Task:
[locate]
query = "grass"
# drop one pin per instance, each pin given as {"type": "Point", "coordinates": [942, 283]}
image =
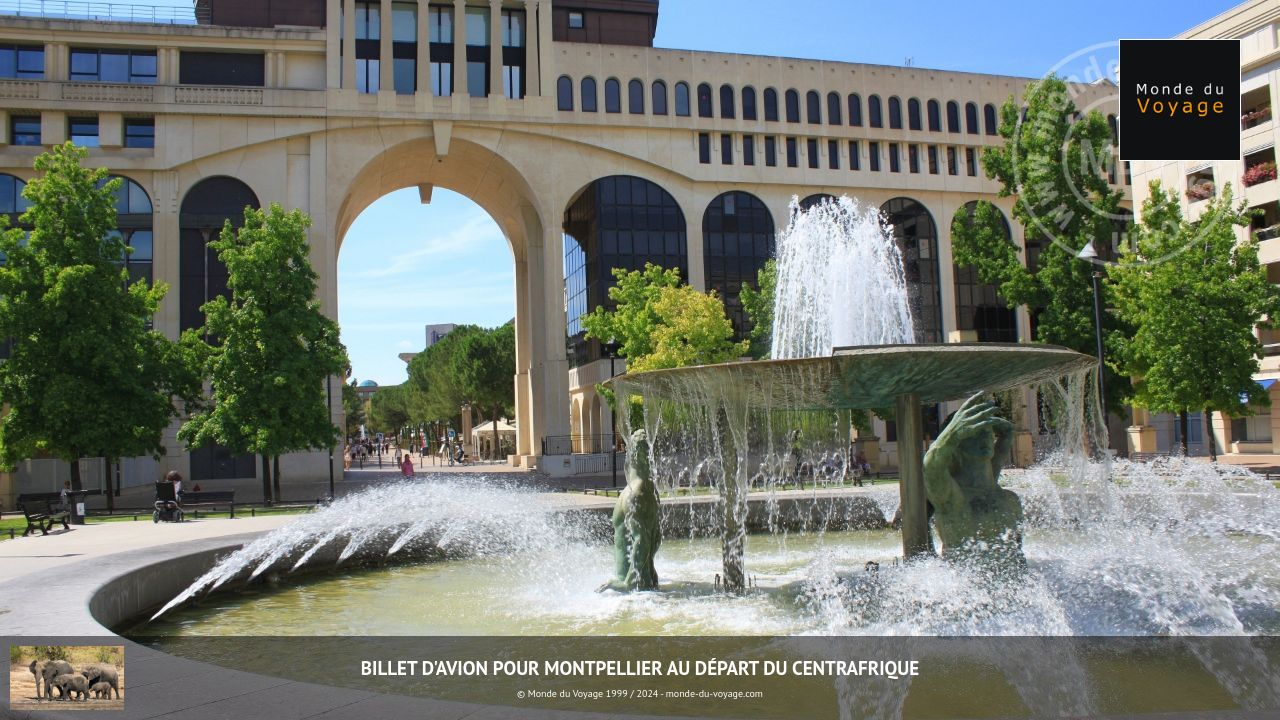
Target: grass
{"type": "Point", "coordinates": [18, 523]}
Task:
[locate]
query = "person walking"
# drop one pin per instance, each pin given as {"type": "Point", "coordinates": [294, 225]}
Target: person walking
{"type": "Point", "coordinates": [406, 466]}
{"type": "Point", "coordinates": [346, 458]}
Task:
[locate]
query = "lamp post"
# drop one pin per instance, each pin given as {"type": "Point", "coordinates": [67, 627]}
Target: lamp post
{"type": "Point", "coordinates": [611, 348]}
{"type": "Point", "coordinates": [328, 396]}
{"type": "Point", "coordinates": [1088, 254]}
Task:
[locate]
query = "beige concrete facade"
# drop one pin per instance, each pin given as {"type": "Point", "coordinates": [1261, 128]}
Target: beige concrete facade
{"type": "Point", "coordinates": [308, 139]}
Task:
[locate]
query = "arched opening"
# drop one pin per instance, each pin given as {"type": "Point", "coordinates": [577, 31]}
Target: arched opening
{"type": "Point", "coordinates": [917, 238]}
{"type": "Point", "coordinates": [953, 116]}
{"type": "Point", "coordinates": [855, 110]}
{"type": "Point", "coordinates": [770, 105]}
{"type": "Point", "coordinates": [793, 106]}
{"type": "Point", "coordinates": [971, 118]}
{"type": "Point", "coordinates": [815, 199]}
{"type": "Point", "coordinates": [726, 102]}
{"type": "Point", "coordinates": [133, 223]}
{"type": "Point", "coordinates": [935, 116]}
{"type": "Point", "coordinates": [704, 101]}
{"type": "Point", "coordinates": [895, 113]}
{"type": "Point", "coordinates": [682, 99]}
{"type": "Point", "coordinates": [874, 116]}
{"type": "Point", "coordinates": [659, 92]}
{"type": "Point", "coordinates": [612, 96]}
{"type": "Point", "coordinates": [834, 116]}
{"type": "Point", "coordinates": [813, 107]}
{"type": "Point", "coordinates": [588, 94]}
{"type": "Point", "coordinates": [749, 103]}
{"type": "Point", "coordinates": [738, 239]}
{"type": "Point", "coordinates": [635, 97]}
{"type": "Point", "coordinates": [564, 93]}
{"type": "Point", "coordinates": [979, 306]}
{"type": "Point", "coordinates": [913, 114]}
{"type": "Point", "coordinates": [990, 120]}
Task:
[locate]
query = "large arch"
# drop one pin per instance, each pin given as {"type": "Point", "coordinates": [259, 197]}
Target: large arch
{"type": "Point", "coordinates": [738, 239]}
{"type": "Point", "coordinates": [917, 238]}
{"type": "Point", "coordinates": [134, 225]}
{"type": "Point", "coordinates": [979, 307]}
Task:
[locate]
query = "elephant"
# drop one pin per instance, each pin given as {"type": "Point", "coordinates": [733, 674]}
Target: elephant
{"type": "Point", "coordinates": [46, 671]}
{"type": "Point", "coordinates": [103, 673]}
{"type": "Point", "coordinates": [71, 683]}
{"type": "Point", "coordinates": [101, 690]}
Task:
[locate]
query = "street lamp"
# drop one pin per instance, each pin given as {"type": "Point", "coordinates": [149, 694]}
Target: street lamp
{"type": "Point", "coordinates": [611, 348]}
{"type": "Point", "coordinates": [1089, 254]}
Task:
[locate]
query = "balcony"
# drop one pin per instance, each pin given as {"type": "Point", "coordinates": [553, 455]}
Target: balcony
{"type": "Point", "coordinates": [50, 95]}
{"type": "Point", "coordinates": [1254, 118]}
{"type": "Point", "coordinates": [105, 12]}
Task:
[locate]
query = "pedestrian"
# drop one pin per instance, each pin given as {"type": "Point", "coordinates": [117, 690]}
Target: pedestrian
{"type": "Point", "coordinates": [346, 458]}
{"type": "Point", "coordinates": [397, 455]}
{"type": "Point", "coordinates": [406, 467]}
{"type": "Point", "coordinates": [65, 496]}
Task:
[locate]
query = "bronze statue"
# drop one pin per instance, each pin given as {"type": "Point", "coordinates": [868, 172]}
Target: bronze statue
{"type": "Point", "coordinates": [636, 517]}
{"type": "Point", "coordinates": [974, 516]}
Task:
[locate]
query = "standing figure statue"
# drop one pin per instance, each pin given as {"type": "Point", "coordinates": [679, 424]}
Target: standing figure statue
{"type": "Point", "coordinates": [974, 516]}
{"type": "Point", "coordinates": [636, 530]}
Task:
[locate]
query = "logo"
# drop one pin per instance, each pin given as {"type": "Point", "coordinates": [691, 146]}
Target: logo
{"type": "Point", "coordinates": [1180, 99]}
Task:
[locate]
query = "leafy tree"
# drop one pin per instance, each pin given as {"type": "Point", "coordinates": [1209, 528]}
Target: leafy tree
{"type": "Point", "coordinates": [1055, 165]}
{"type": "Point", "coordinates": [389, 409]}
{"type": "Point", "coordinates": [270, 347]}
{"type": "Point", "coordinates": [87, 374]}
{"type": "Point", "coordinates": [758, 305]}
{"type": "Point", "coordinates": [631, 324]}
{"type": "Point", "coordinates": [1194, 294]}
{"type": "Point", "coordinates": [431, 373]}
{"type": "Point", "coordinates": [353, 408]}
{"type": "Point", "coordinates": [483, 367]}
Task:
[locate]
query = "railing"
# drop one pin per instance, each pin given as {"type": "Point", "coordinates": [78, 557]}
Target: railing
{"type": "Point", "coordinates": [219, 95]}
{"type": "Point", "coordinates": [107, 92]}
{"type": "Point", "coordinates": [571, 444]}
{"type": "Point", "coordinates": [20, 89]}
{"type": "Point", "coordinates": [1255, 118]}
{"type": "Point", "coordinates": [106, 11]}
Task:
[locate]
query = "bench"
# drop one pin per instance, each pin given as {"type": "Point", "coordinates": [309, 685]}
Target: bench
{"type": "Point", "coordinates": [1143, 457]}
{"type": "Point", "coordinates": [41, 514]}
{"type": "Point", "coordinates": [210, 498]}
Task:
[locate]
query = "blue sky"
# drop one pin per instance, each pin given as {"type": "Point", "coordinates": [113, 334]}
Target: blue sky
{"type": "Point", "coordinates": [404, 265]}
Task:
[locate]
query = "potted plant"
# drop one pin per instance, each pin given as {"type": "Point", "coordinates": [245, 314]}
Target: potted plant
{"type": "Point", "coordinates": [1259, 173]}
{"type": "Point", "coordinates": [1200, 191]}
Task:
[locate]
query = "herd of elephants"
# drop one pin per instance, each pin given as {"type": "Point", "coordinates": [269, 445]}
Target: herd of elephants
{"type": "Point", "coordinates": [100, 679]}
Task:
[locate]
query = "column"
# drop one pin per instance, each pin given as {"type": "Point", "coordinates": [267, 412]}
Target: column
{"type": "Point", "coordinates": [57, 62]}
{"type": "Point", "coordinates": [545, 65]}
{"type": "Point", "coordinates": [460, 48]}
{"type": "Point", "coordinates": [424, 49]}
{"type": "Point", "coordinates": [349, 44]}
{"type": "Point", "coordinates": [333, 43]}
{"type": "Point", "coordinates": [386, 63]}
{"type": "Point", "coordinates": [915, 519]}
{"type": "Point", "coordinates": [495, 48]}
{"type": "Point", "coordinates": [694, 245]}
{"type": "Point", "coordinates": [532, 75]}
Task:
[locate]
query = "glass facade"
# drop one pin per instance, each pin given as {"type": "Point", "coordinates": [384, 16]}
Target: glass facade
{"type": "Point", "coordinates": [917, 238]}
{"type": "Point", "coordinates": [113, 66]}
{"type": "Point", "coordinates": [83, 131]}
{"type": "Point", "coordinates": [133, 220]}
{"type": "Point", "coordinates": [979, 306]}
{"type": "Point", "coordinates": [477, 37]}
{"type": "Point", "coordinates": [23, 62]}
{"type": "Point", "coordinates": [514, 85]}
{"type": "Point", "coordinates": [440, 35]}
{"type": "Point", "coordinates": [738, 238]}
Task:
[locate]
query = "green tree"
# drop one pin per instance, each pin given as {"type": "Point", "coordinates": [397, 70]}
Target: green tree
{"type": "Point", "coordinates": [483, 367]}
{"type": "Point", "coordinates": [270, 347]}
{"type": "Point", "coordinates": [432, 374]}
{"type": "Point", "coordinates": [389, 409]}
{"type": "Point", "coordinates": [1056, 166]}
{"type": "Point", "coordinates": [352, 408]}
{"type": "Point", "coordinates": [1194, 295]}
{"type": "Point", "coordinates": [87, 375]}
{"type": "Point", "coordinates": [758, 305]}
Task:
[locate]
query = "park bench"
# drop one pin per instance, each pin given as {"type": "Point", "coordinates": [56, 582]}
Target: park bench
{"type": "Point", "coordinates": [1144, 457]}
{"type": "Point", "coordinates": [210, 498]}
{"type": "Point", "coordinates": [41, 513]}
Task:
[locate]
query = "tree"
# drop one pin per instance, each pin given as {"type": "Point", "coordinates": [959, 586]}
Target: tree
{"type": "Point", "coordinates": [1194, 295]}
{"type": "Point", "coordinates": [87, 374]}
{"type": "Point", "coordinates": [352, 408]}
{"type": "Point", "coordinates": [1055, 165]}
{"type": "Point", "coordinates": [431, 373]}
{"type": "Point", "coordinates": [758, 305]}
{"type": "Point", "coordinates": [483, 368]}
{"type": "Point", "coordinates": [269, 348]}
{"type": "Point", "coordinates": [389, 409]}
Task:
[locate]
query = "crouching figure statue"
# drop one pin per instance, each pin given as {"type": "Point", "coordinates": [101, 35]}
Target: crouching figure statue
{"type": "Point", "coordinates": [636, 531]}
{"type": "Point", "coordinates": [974, 516]}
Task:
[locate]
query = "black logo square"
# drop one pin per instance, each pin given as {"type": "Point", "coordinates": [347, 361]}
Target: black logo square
{"type": "Point", "coordinates": [1180, 99]}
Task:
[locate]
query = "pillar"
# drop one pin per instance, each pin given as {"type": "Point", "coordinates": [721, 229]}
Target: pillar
{"type": "Point", "coordinates": [694, 242]}
{"type": "Point", "coordinates": [460, 48]}
{"type": "Point", "coordinates": [532, 74]}
{"type": "Point", "coordinates": [333, 43]}
{"type": "Point", "coordinates": [423, 35]}
{"type": "Point", "coordinates": [545, 65]}
{"type": "Point", "coordinates": [349, 44]}
{"type": "Point", "coordinates": [915, 519]}
{"type": "Point", "coordinates": [386, 62]}
{"type": "Point", "coordinates": [495, 48]}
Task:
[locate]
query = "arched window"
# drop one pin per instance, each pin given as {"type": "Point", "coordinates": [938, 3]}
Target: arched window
{"type": "Point", "coordinates": [588, 94]}
{"type": "Point", "coordinates": [855, 110]}
{"type": "Point", "coordinates": [913, 115]}
{"type": "Point", "coordinates": [770, 105]}
{"type": "Point", "coordinates": [813, 107]}
{"type": "Point", "coordinates": [726, 102]}
{"type": "Point", "coordinates": [704, 101]}
{"type": "Point", "coordinates": [834, 116]}
{"type": "Point", "coordinates": [618, 221]}
{"type": "Point", "coordinates": [793, 106]}
{"type": "Point", "coordinates": [971, 118]}
{"type": "Point", "coordinates": [12, 204]}
{"type": "Point", "coordinates": [979, 306]}
{"type": "Point", "coordinates": [682, 99]}
{"type": "Point", "coordinates": [564, 93]}
{"type": "Point", "coordinates": [935, 116]}
{"type": "Point", "coordinates": [816, 199]}
{"type": "Point", "coordinates": [895, 113]}
{"type": "Point", "coordinates": [992, 124]}
{"type": "Point", "coordinates": [635, 97]}
{"type": "Point", "coordinates": [953, 116]}
{"type": "Point", "coordinates": [873, 112]}
{"type": "Point", "coordinates": [737, 237]}
{"type": "Point", "coordinates": [917, 238]}
{"type": "Point", "coordinates": [612, 96]}
{"type": "Point", "coordinates": [1115, 129]}
{"type": "Point", "coordinates": [133, 222]}
{"type": "Point", "coordinates": [749, 103]}
{"type": "Point", "coordinates": [659, 92]}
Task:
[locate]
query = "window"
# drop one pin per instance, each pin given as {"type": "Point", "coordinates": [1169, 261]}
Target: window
{"type": "Point", "coordinates": [704, 148]}
{"type": "Point", "coordinates": [11, 201]}
{"type": "Point", "coordinates": [726, 149]}
{"type": "Point", "coordinates": [612, 96]}
{"type": "Point", "coordinates": [855, 110]}
{"type": "Point", "coordinates": [834, 116]}
{"type": "Point", "coordinates": [993, 126]}
{"type": "Point", "coordinates": [749, 103]}
{"type": "Point", "coordinates": [979, 306]}
{"type": "Point", "coordinates": [513, 54]}
{"type": "Point", "coordinates": [726, 102]}
{"type": "Point", "coordinates": [367, 75]}
{"type": "Point", "coordinates": [139, 132]}
{"type": "Point", "coordinates": [813, 107]}
{"type": "Point", "coordinates": [24, 62]}
{"type": "Point", "coordinates": [682, 99]}
{"type": "Point", "coordinates": [895, 113]}
{"type": "Point", "coordinates": [588, 94]}
{"type": "Point", "coordinates": [793, 106]}
{"type": "Point", "coordinates": [368, 22]}
{"type": "Point", "coordinates": [913, 158]}
{"type": "Point", "coordinates": [564, 93]}
{"type": "Point", "coordinates": [221, 68]}
{"type": "Point", "coordinates": [917, 239]}
{"type": "Point", "coordinates": [440, 32]}
{"type": "Point", "coordinates": [771, 151]}
{"type": "Point", "coordinates": [24, 130]}
{"type": "Point", "coordinates": [811, 150]}
{"type": "Point", "coordinates": [971, 118]}
{"type": "Point", "coordinates": [953, 116]}
{"type": "Point", "coordinates": [953, 167]}
{"type": "Point", "coordinates": [833, 154]}
{"type": "Point", "coordinates": [793, 153]}
{"type": "Point", "coordinates": [133, 220]}
{"type": "Point", "coordinates": [933, 159]}
{"type": "Point", "coordinates": [114, 66]}
{"type": "Point", "coordinates": [704, 101]}
{"type": "Point", "coordinates": [855, 162]}
{"type": "Point", "coordinates": [477, 50]}
{"type": "Point", "coordinates": [971, 161]}
{"type": "Point", "coordinates": [913, 114]}
{"type": "Point", "coordinates": [659, 93]}
{"type": "Point", "coordinates": [873, 156]}
{"type": "Point", "coordinates": [404, 47]}
{"type": "Point", "coordinates": [83, 131]}
{"type": "Point", "coordinates": [895, 163]}
{"type": "Point", "coordinates": [748, 150]}
{"type": "Point", "coordinates": [635, 97]}
{"type": "Point", "coordinates": [737, 236]}
{"type": "Point", "coordinates": [576, 21]}
{"type": "Point", "coordinates": [935, 116]}
{"type": "Point", "coordinates": [770, 105]}
{"type": "Point", "coordinates": [873, 111]}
